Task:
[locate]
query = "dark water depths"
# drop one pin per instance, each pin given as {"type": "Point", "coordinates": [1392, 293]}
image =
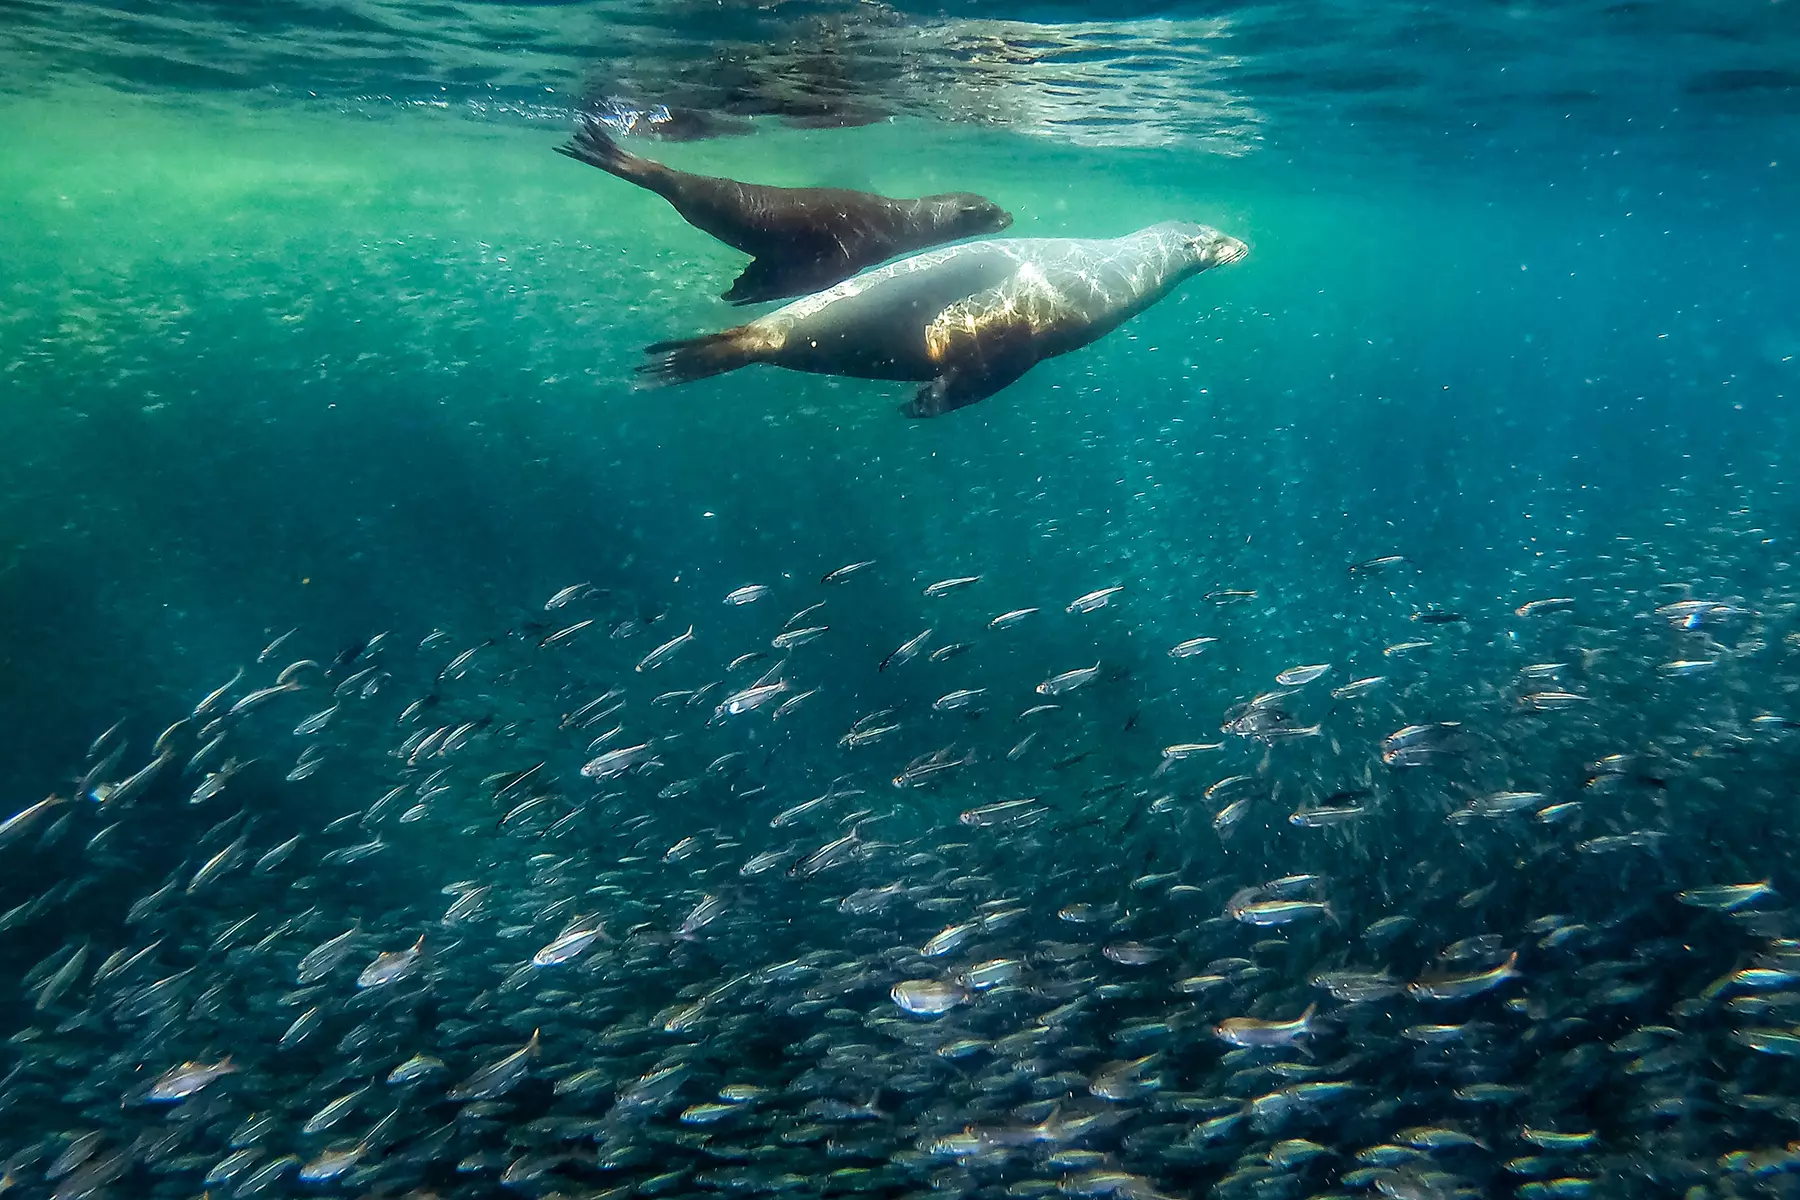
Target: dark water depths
{"type": "Point", "coordinates": [304, 326]}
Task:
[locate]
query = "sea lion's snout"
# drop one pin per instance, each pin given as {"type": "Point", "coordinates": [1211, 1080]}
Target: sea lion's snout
{"type": "Point", "coordinates": [1216, 249]}
{"type": "Point", "coordinates": [1228, 250]}
{"type": "Point", "coordinates": [968, 214]}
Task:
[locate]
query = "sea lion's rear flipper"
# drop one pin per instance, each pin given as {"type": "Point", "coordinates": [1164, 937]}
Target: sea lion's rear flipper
{"type": "Point", "coordinates": [688, 359]}
{"type": "Point", "coordinates": [784, 278]}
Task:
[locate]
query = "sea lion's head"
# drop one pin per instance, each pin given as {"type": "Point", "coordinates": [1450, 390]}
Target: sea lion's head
{"type": "Point", "coordinates": [1205, 246]}
{"type": "Point", "coordinates": [964, 214]}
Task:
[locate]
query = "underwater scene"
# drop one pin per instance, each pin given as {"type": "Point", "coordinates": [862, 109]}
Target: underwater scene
{"type": "Point", "coordinates": [852, 598]}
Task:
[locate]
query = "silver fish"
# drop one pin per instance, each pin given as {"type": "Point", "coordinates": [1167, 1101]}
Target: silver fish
{"type": "Point", "coordinates": [1094, 600]}
{"type": "Point", "coordinates": [500, 1077]}
{"type": "Point", "coordinates": [1068, 681]}
{"type": "Point", "coordinates": [943, 586]}
{"type": "Point", "coordinates": [664, 652]}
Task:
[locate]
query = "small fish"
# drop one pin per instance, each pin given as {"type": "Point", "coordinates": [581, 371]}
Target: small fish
{"type": "Point", "coordinates": [1456, 987]}
{"type": "Point", "coordinates": [928, 767]}
{"type": "Point", "coordinates": [1550, 701]}
{"type": "Point", "coordinates": [750, 698]}
{"type": "Point", "coordinates": [1232, 813]}
{"type": "Point", "coordinates": [178, 1083]}
{"type": "Point", "coordinates": [1554, 604]}
{"type": "Point", "coordinates": [1278, 912]}
{"type": "Point", "coordinates": [316, 722]}
{"type": "Point", "coordinates": [1551, 1139]}
{"type": "Point", "coordinates": [465, 905]}
{"type": "Point", "coordinates": [928, 997]}
{"type": "Point", "coordinates": [800, 616]}
{"type": "Point", "coordinates": [302, 1027]}
{"type": "Point", "coordinates": [791, 703]}
{"type": "Point", "coordinates": [1371, 565]}
{"type": "Point", "coordinates": [1007, 620]}
{"type": "Point", "coordinates": [798, 637]}
{"type": "Point", "coordinates": [1190, 647]}
{"type": "Point", "coordinates": [391, 966]}
{"type": "Point", "coordinates": [1687, 666]}
{"type": "Point", "coordinates": [617, 762]}
{"type": "Point", "coordinates": [564, 634]}
{"type": "Point", "coordinates": [269, 651]}
{"type": "Point", "coordinates": [27, 819]}
{"type": "Point", "coordinates": [748, 594]}
{"type": "Point", "coordinates": [213, 697]}
{"type": "Point", "coordinates": [499, 1077]}
{"type": "Point", "coordinates": [324, 958]}
{"type": "Point", "coordinates": [454, 668]}
{"type": "Point", "coordinates": [250, 701]}
{"type": "Point", "coordinates": [1005, 812]}
{"type": "Point", "coordinates": [664, 652]}
{"type": "Point", "coordinates": [1248, 1031]}
{"type": "Point", "coordinates": [1094, 600]}
{"type": "Point", "coordinates": [1183, 750]}
{"type": "Point", "coordinates": [906, 652]}
{"type": "Point", "coordinates": [846, 571]}
{"type": "Point", "coordinates": [945, 586]}
{"type": "Point", "coordinates": [1432, 616]}
{"type": "Point", "coordinates": [949, 940]}
{"type": "Point", "coordinates": [1399, 648]}
{"type": "Point", "coordinates": [565, 596]}
{"type": "Point", "coordinates": [958, 699]}
{"type": "Point", "coordinates": [220, 863]}
{"type": "Point", "coordinates": [1502, 803]}
{"type": "Point", "coordinates": [1326, 815]}
{"type": "Point", "coordinates": [1357, 687]}
{"type": "Point", "coordinates": [1068, 681]}
{"type": "Point", "coordinates": [1726, 897]}
{"type": "Point", "coordinates": [1230, 595]}
{"type": "Point", "coordinates": [333, 1112]}
{"type": "Point", "coordinates": [415, 1068]}
{"type": "Point", "coordinates": [1300, 676]}
{"type": "Point", "coordinates": [862, 737]}
{"type": "Point", "coordinates": [329, 1164]}
{"type": "Point", "coordinates": [567, 946]}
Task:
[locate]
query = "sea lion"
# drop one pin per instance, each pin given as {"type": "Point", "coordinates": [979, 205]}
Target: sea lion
{"type": "Point", "coordinates": [966, 319]}
{"type": "Point", "coordinates": [802, 239]}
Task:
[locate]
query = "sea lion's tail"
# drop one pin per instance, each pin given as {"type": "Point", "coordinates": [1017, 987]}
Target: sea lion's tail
{"type": "Point", "coordinates": [688, 359]}
{"type": "Point", "coordinates": [595, 147]}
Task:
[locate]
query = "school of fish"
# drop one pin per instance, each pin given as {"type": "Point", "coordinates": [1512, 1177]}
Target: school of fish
{"type": "Point", "coordinates": [757, 895]}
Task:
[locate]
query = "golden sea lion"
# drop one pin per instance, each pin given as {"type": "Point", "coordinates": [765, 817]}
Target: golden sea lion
{"type": "Point", "coordinates": [967, 320]}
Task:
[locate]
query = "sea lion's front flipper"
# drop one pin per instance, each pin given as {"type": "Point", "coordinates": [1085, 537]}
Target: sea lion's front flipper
{"type": "Point", "coordinates": [986, 342]}
{"type": "Point", "coordinates": [961, 387]}
{"type": "Point", "coordinates": [784, 278]}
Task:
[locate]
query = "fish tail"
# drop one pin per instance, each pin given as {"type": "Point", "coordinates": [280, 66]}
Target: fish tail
{"type": "Point", "coordinates": [595, 147]}
{"type": "Point", "coordinates": [687, 359]}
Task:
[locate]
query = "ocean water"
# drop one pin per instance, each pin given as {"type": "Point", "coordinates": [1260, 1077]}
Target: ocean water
{"type": "Point", "coordinates": [304, 326]}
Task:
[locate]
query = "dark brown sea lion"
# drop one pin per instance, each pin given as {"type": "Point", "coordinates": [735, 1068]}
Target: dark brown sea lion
{"type": "Point", "coordinates": [802, 239]}
{"type": "Point", "coordinates": [966, 319]}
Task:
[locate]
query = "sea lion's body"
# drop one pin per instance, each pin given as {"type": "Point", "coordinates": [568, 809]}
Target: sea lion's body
{"type": "Point", "coordinates": [967, 320]}
{"type": "Point", "coordinates": [802, 239]}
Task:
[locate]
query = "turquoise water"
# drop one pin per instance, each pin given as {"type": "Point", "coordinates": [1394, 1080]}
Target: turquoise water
{"type": "Point", "coordinates": [306, 327]}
